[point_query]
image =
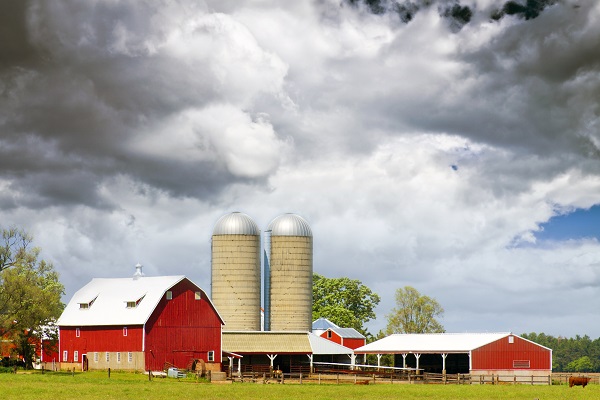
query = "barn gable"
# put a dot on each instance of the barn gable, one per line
(511, 352)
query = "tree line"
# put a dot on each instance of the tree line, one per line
(578, 354)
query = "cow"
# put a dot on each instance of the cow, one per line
(578, 381)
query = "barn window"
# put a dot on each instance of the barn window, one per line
(328, 334)
(77, 332)
(75, 356)
(65, 356)
(511, 339)
(119, 357)
(87, 304)
(211, 356)
(95, 356)
(198, 296)
(129, 357)
(169, 295)
(521, 364)
(107, 356)
(125, 331)
(134, 303)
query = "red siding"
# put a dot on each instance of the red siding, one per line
(181, 329)
(335, 338)
(100, 339)
(501, 355)
(353, 343)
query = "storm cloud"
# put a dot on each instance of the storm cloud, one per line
(426, 142)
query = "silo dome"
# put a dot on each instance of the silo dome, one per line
(235, 271)
(236, 223)
(289, 225)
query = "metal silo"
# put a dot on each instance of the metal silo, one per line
(235, 275)
(288, 274)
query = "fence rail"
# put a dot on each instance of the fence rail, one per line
(357, 377)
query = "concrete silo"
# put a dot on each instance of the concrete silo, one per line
(288, 274)
(235, 274)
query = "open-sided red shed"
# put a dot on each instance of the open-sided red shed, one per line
(475, 353)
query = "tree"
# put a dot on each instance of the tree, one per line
(582, 364)
(30, 290)
(344, 301)
(414, 313)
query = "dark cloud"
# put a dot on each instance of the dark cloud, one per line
(423, 140)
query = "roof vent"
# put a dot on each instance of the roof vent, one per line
(138, 271)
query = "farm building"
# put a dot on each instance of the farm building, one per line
(140, 323)
(348, 337)
(474, 353)
(287, 351)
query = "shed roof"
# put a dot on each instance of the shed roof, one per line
(348, 333)
(107, 298)
(279, 342)
(430, 343)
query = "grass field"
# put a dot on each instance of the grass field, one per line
(122, 385)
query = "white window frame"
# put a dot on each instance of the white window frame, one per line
(210, 357)
(169, 295)
(77, 332)
(118, 357)
(198, 296)
(107, 357)
(76, 356)
(96, 357)
(65, 356)
(124, 331)
(129, 357)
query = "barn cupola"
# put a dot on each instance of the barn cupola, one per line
(138, 271)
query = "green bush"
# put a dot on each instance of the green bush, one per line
(6, 370)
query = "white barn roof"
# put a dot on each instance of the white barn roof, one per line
(110, 301)
(430, 343)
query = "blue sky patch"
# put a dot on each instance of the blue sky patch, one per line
(579, 224)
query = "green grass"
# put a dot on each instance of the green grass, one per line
(123, 385)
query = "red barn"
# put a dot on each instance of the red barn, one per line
(347, 337)
(140, 323)
(499, 354)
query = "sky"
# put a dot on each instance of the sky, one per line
(449, 146)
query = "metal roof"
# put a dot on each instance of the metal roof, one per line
(236, 223)
(430, 343)
(280, 343)
(289, 225)
(103, 301)
(348, 333)
(323, 324)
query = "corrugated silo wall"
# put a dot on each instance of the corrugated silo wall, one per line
(235, 288)
(291, 283)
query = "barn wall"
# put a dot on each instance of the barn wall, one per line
(503, 355)
(353, 343)
(100, 339)
(335, 338)
(182, 329)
